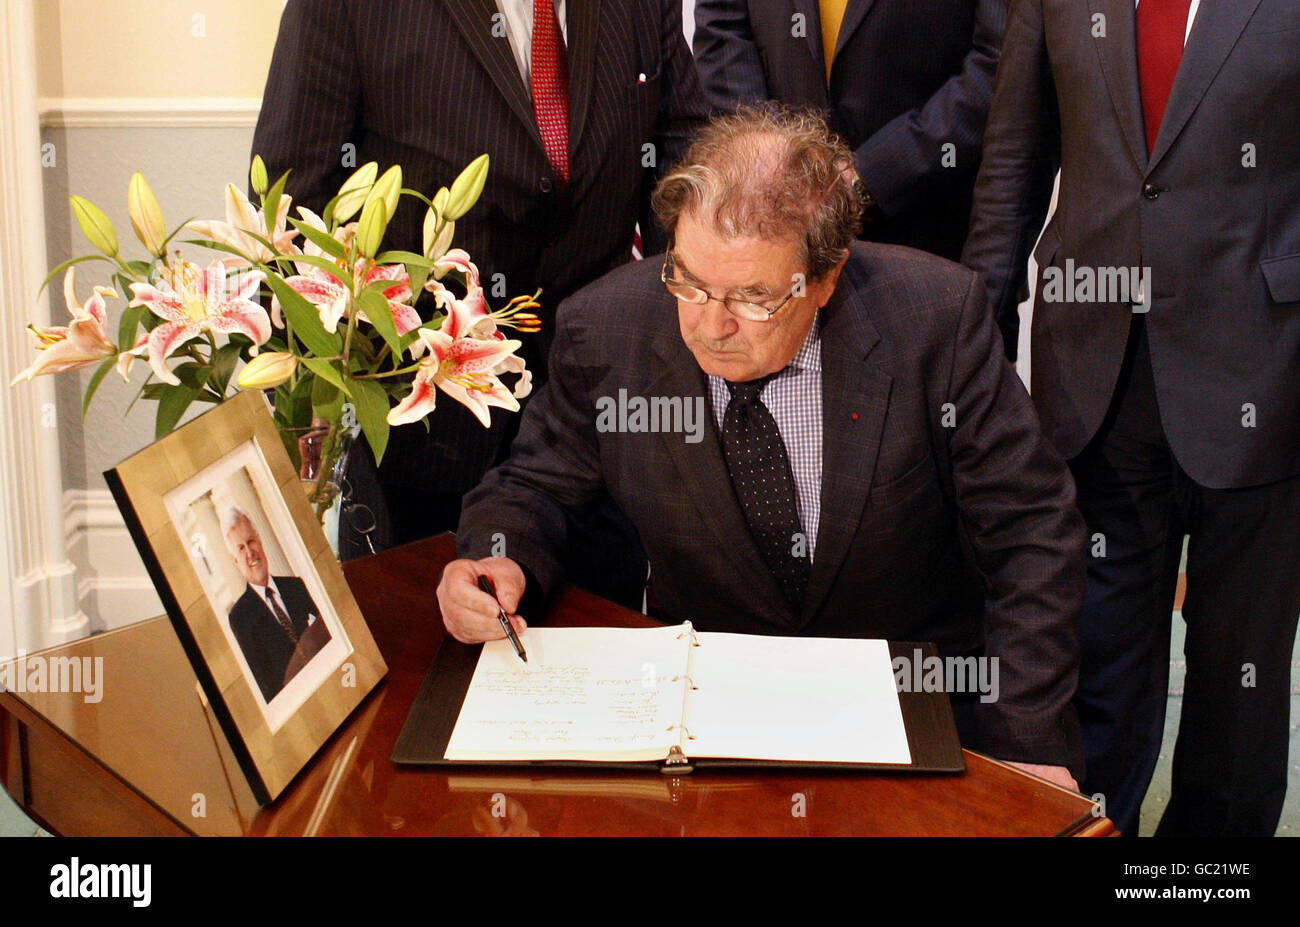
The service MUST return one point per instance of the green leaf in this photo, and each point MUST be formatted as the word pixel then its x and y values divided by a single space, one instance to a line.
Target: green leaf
pixel 223 366
pixel 323 240
pixel 176 231
pixel 127 325
pixel 326 399
pixel 418 276
pixel 327 370
pixel 193 375
pixel 380 314
pixel 172 406
pixel 271 205
pixel 371 403
pixel 305 320
pixel 405 257
pixel 326 265
pixel 68 263
pixel 103 368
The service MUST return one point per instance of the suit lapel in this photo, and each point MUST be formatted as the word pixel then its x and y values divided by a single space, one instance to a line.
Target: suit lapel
pixel 855 396
pixel 474 18
pixel 854 13
pixel 583 25
pixel 704 475
pixel 1214 32
pixel 1118 54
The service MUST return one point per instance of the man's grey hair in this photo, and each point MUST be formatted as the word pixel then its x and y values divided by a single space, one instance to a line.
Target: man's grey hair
pixel 231 517
pixel 768 172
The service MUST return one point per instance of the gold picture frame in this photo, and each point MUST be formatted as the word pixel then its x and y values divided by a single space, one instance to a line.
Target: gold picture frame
pixel 216 504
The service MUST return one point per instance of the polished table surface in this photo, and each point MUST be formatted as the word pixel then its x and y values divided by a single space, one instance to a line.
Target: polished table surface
pixel 148 759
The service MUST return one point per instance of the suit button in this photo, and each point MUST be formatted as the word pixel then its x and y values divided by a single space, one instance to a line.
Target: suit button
pixel 545 185
pixel 1151 191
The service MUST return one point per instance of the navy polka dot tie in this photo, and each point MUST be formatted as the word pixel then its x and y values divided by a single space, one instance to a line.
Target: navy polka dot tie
pixel 760 473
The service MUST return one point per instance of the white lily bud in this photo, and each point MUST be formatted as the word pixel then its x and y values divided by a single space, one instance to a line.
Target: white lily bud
pixel 353 193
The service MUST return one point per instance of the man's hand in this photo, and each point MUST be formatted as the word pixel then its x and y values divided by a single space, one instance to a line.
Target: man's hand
pixel 1057 775
pixel 469 613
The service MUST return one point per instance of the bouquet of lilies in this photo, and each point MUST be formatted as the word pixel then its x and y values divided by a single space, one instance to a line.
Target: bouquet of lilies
pixel 342 344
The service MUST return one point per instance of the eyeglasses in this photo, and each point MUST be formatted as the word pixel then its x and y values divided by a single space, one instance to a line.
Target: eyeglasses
pixel 740 308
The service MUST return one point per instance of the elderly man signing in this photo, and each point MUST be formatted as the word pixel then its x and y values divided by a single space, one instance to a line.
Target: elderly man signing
pixel 868 464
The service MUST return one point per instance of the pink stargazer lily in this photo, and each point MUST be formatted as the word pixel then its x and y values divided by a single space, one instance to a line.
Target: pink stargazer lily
pixel 322 290
pixel 466 370
pixel 241 218
pixel 81 343
pixel 193 300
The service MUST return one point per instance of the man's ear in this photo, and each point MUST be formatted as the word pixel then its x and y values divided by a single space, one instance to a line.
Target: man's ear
pixel 826 285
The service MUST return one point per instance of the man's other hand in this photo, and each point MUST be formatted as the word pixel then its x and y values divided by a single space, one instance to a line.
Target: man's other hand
pixel 1057 775
pixel 469 613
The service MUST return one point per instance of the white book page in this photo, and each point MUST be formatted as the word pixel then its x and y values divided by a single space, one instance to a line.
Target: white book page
pixel 585 693
pixel 825 700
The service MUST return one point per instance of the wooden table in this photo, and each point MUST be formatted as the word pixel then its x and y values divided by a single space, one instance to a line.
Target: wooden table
pixel 147 760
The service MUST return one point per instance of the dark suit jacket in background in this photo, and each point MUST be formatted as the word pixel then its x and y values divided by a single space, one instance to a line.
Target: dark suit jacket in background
pixel 908 78
pixel 901 493
pixel 267 649
pixel 426 84
pixel 1221 238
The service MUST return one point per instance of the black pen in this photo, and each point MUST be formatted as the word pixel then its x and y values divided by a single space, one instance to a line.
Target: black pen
pixel 486 585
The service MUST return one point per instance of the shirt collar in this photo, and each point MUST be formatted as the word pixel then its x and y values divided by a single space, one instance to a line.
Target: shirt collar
pixel 809 357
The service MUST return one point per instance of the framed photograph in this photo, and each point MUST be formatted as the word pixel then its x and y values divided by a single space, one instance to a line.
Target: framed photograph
pixel 248 579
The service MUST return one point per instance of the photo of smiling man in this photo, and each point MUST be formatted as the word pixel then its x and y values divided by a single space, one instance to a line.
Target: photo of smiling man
pixel 275 621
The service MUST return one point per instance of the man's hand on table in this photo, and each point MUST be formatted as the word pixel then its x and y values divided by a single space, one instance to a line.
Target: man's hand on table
pixel 469 613
pixel 1058 775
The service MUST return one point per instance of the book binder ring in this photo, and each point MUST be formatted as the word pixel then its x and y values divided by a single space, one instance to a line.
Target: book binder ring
pixel 694 687
pixel 676 763
pixel 688 631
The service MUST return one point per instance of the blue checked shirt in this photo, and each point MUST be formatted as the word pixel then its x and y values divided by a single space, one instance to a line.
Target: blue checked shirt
pixel 794 397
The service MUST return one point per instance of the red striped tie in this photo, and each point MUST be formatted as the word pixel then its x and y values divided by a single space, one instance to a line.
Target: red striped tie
pixel 550 80
pixel 1161 25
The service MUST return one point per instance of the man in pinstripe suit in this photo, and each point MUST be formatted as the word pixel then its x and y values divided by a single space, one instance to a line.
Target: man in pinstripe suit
pixel 431 84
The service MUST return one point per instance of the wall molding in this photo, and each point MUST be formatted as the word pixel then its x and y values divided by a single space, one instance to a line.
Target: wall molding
pixel 36 577
pixel 148 112
pixel 112 583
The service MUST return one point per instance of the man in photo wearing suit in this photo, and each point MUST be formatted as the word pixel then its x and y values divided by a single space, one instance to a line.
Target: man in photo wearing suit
pixel 579 105
pixel 278 626
pixel 1164 342
pixel 871 466
pixel 907 84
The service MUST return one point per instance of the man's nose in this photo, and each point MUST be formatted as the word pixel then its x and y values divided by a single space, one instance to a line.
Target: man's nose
pixel 716 321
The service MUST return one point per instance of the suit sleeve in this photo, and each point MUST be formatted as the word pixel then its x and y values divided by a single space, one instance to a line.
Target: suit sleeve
pixel 1021 156
pixel 1016 504
pixel 312 103
pixel 731 70
pixel 681 112
pixel 905 157
pixel 553 470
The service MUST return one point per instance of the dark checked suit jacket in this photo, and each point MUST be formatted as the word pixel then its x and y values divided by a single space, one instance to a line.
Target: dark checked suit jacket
pixel 908 78
pixel 427 84
pixel 954 524
pixel 1213 211
pixel 266 647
